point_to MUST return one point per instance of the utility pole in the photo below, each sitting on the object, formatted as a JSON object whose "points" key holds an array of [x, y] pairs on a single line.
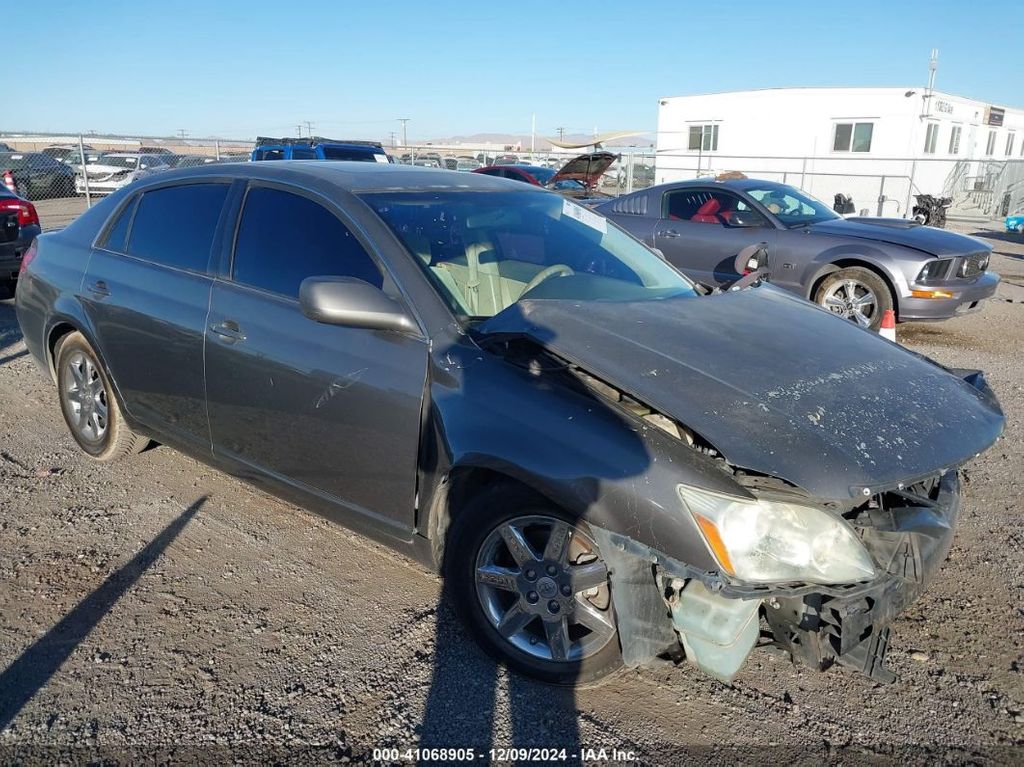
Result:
{"points": [[309, 128], [561, 132], [394, 138], [298, 130], [405, 138], [182, 133]]}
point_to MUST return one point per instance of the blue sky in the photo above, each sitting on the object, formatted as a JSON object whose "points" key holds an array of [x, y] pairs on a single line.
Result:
{"points": [[236, 69]]}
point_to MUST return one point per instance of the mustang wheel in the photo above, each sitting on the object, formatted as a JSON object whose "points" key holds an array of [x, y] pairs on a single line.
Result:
{"points": [[856, 294], [532, 588], [88, 403]]}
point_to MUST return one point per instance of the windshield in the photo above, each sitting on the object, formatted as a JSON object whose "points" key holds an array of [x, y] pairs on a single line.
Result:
{"points": [[792, 207], [543, 175], [483, 251]]}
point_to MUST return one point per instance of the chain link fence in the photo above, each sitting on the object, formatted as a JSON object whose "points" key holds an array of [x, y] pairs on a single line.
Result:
{"points": [[52, 166]]}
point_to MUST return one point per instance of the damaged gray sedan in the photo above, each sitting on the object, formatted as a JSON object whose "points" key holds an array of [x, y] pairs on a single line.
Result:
{"points": [[609, 465]]}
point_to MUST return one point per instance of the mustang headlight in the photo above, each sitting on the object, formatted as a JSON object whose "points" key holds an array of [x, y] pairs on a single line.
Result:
{"points": [[775, 542]]}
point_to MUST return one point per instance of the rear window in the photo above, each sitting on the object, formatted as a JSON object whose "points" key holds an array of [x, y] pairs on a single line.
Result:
{"points": [[352, 154], [302, 153], [175, 226], [13, 161]]}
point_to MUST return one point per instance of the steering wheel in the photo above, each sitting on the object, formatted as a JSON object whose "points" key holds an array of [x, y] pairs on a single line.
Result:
{"points": [[554, 270]]}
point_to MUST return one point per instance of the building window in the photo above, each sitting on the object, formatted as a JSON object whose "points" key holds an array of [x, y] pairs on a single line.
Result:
{"points": [[954, 140], [990, 147], [931, 136], [1009, 143], [853, 137], [703, 138]]}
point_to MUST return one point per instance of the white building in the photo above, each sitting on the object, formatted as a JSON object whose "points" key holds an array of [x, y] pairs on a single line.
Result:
{"points": [[879, 145]]}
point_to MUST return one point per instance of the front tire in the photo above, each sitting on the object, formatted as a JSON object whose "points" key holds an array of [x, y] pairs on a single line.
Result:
{"points": [[856, 294], [88, 403], [531, 586]]}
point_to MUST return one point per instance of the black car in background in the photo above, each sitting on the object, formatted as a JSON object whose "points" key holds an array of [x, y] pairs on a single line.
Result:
{"points": [[607, 464], [19, 226], [38, 175]]}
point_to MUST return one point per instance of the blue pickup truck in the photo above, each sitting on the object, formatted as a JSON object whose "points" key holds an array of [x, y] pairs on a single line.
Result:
{"points": [[318, 148]]}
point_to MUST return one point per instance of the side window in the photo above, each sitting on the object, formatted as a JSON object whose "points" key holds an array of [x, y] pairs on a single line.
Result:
{"points": [[175, 226], [712, 207], [117, 236], [303, 153], [284, 238], [270, 154]]}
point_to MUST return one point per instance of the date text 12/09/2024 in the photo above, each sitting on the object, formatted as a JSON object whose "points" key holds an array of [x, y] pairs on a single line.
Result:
{"points": [[501, 755]]}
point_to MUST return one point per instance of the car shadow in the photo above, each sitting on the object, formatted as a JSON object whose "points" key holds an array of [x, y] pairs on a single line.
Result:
{"points": [[31, 670], [997, 237]]}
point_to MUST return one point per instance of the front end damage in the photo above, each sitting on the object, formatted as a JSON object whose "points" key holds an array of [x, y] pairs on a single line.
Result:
{"points": [[667, 610]]}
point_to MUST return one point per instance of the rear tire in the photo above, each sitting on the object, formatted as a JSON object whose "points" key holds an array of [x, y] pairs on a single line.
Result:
{"points": [[541, 600], [88, 403], [856, 294]]}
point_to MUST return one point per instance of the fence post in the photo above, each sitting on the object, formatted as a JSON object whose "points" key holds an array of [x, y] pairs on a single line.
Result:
{"points": [[85, 172], [803, 173], [881, 196], [910, 188], [629, 173], [216, 148]]}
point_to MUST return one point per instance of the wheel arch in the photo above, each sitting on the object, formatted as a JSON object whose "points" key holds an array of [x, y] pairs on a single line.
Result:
{"points": [[61, 327], [851, 261], [458, 486]]}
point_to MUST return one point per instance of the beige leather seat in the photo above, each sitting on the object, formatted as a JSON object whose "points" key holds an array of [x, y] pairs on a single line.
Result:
{"points": [[489, 285]]}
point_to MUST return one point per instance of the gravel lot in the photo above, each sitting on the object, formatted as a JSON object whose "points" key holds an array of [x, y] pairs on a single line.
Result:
{"points": [[156, 609]]}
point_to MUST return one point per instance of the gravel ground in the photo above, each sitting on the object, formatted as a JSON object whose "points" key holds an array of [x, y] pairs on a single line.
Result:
{"points": [[158, 610]]}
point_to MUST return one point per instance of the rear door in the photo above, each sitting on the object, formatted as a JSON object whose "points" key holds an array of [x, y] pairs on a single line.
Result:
{"points": [[146, 291], [701, 230], [330, 411]]}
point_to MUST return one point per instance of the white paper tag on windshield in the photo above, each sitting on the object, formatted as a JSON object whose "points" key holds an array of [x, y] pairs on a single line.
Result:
{"points": [[584, 216], [381, 158]]}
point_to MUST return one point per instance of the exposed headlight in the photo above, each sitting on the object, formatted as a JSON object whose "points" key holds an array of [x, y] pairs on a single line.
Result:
{"points": [[935, 270], [774, 542]]}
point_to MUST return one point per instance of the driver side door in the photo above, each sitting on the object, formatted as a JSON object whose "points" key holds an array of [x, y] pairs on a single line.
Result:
{"points": [[701, 230]]}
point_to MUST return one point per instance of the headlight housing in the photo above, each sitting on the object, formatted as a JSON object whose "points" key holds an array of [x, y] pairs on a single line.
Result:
{"points": [[935, 270], [764, 541]]}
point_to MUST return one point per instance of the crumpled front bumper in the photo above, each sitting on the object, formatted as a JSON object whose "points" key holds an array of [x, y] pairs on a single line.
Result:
{"points": [[663, 605], [852, 629]]}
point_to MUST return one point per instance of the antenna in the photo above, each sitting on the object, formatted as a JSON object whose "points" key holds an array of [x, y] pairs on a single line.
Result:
{"points": [[933, 64]]}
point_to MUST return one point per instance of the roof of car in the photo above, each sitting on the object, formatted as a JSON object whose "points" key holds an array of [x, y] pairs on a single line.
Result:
{"points": [[740, 184], [353, 176]]}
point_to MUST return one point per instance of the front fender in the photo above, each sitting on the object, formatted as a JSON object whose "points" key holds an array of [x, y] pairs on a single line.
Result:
{"points": [[873, 256], [581, 452]]}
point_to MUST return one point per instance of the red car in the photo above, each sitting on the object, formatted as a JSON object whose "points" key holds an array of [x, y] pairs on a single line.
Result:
{"points": [[577, 178]]}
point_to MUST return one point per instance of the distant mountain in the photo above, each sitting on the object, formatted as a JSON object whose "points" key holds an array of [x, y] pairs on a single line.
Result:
{"points": [[542, 143]]}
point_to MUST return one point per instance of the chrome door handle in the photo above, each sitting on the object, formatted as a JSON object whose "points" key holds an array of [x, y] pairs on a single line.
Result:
{"points": [[668, 233], [228, 331]]}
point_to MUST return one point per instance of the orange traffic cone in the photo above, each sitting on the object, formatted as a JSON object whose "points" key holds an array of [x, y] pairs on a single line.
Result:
{"points": [[8, 181], [888, 329]]}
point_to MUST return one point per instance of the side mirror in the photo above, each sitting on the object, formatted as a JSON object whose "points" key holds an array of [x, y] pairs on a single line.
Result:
{"points": [[745, 219], [751, 259], [352, 303]]}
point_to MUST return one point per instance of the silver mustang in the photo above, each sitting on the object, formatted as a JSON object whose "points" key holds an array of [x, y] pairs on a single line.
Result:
{"points": [[855, 267]]}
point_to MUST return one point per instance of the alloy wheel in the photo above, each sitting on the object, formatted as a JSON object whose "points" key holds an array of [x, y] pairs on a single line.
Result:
{"points": [[852, 300], [543, 587], [85, 396]]}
